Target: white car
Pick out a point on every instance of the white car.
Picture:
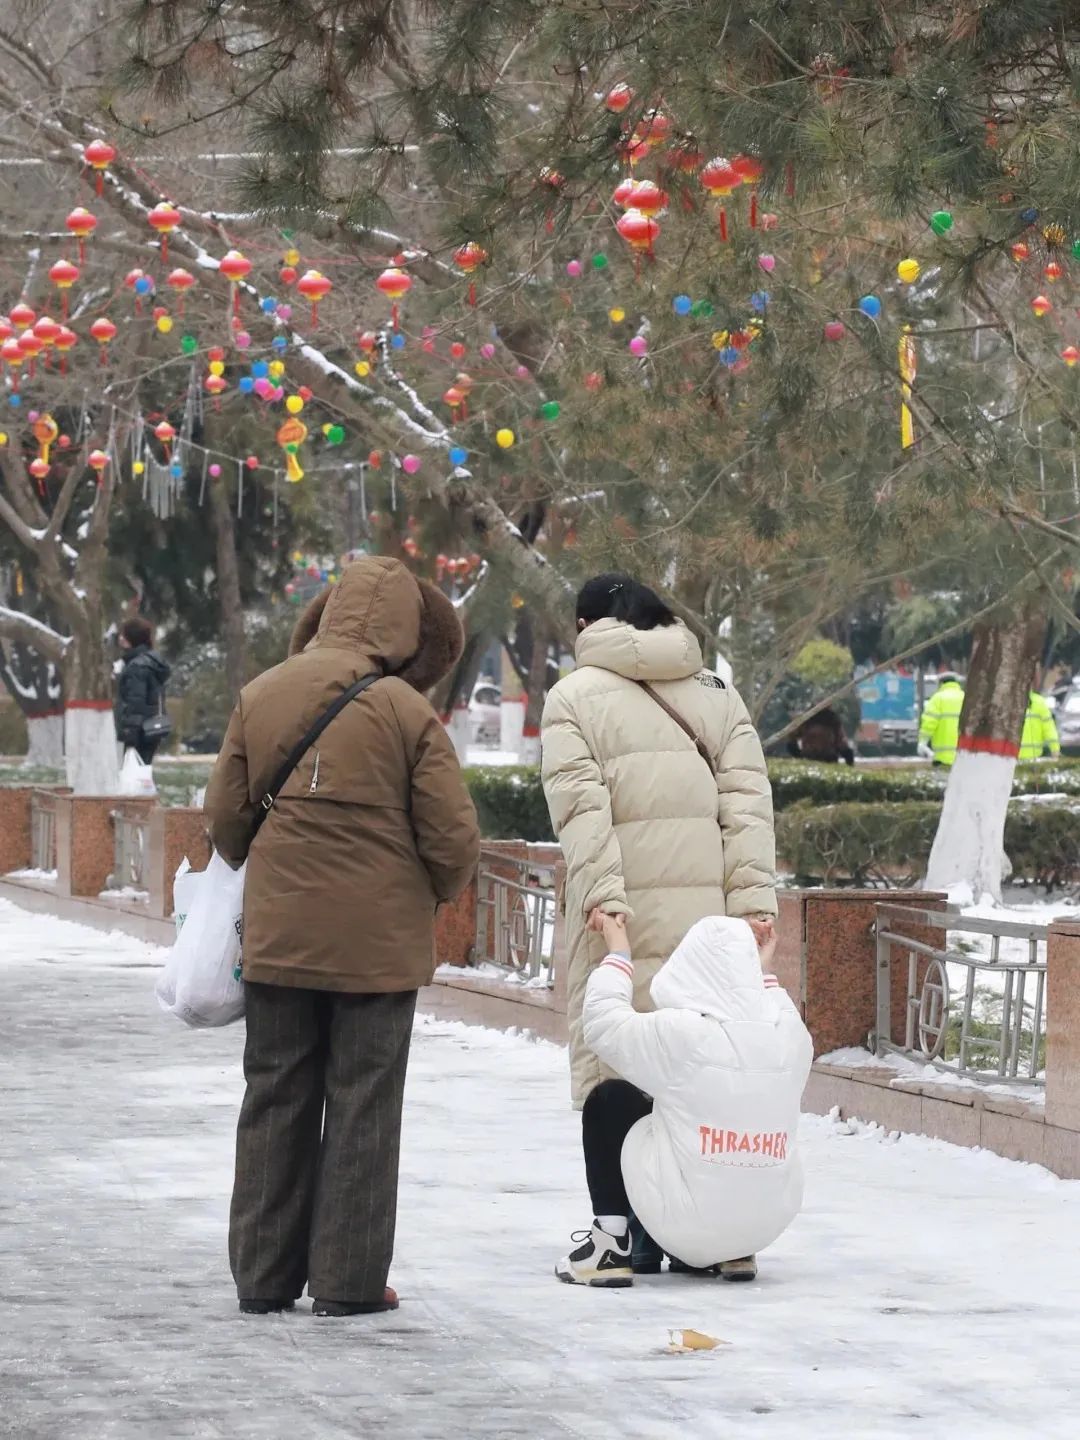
(485, 715)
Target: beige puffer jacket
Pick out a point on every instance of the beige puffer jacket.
(643, 827)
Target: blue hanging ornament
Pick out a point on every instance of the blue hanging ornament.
(398, 340)
(260, 369)
(176, 470)
(759, 301)
(143, 285)
(247, 384)
(682, 304)
(279, 342)
(458, 456)
(870, 305)
(267, 305)
(729, 355)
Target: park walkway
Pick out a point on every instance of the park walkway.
(925, 1292)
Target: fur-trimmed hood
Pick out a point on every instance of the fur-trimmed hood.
(379, 609)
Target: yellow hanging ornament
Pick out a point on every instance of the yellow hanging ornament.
(294, 404)
(907, 363)
(290, 436)
(45, 432)
(277, 369)
(908, 271)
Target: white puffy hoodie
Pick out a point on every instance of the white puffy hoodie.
(712, 1173)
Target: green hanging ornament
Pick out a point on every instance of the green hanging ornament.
(335, 435)
(189, 344)
(1076, 249)
(701, 308)
(941, 222)
(550, 410)
(599, 261)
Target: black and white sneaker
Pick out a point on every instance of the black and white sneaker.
(601, 1259)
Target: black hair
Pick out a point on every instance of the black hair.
(620, 597)
(137, 631)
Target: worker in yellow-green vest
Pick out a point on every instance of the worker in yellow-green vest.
(1040, 731)
(940, 727)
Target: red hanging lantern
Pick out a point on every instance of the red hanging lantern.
(720, 179)
(81, 224)
(166, 434)
(750, 171)
(653, 129)
(6, 328)
(63, 275)
(686, 157)
(21, 315)
(1054, 271)
(1070, 355)
(314, 286)
(395, 284)
(64, 342)
(235, 267)
(13, 357)
(99, 154)
(368, 341)
(181, 281)
(646, 196)
(1020, 252)
(31, 348)
(215, 385)
(104, 332)
(164, 218)
(97, 460)
(47, 330)
(39, 469)
(623, 191)
(640, 232)
(618, 98)
(468, 258)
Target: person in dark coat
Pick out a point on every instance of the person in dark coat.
(141, 688)
(822, 738)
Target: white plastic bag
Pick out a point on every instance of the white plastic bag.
(201, 982)
(135, 777)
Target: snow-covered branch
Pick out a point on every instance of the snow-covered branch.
(14, 625)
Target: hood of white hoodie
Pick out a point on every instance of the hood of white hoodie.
(715, 970)
(669, 652)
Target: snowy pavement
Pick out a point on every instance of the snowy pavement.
(926, 1291)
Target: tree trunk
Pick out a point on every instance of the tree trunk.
(968, 858)
(33, 682)
(228, 578)
(91, 754)
(45, 733)
(536, 688)
(742, 640)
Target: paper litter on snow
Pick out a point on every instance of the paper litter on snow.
(682, 1342)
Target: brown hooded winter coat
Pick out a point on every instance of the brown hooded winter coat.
(375, 826)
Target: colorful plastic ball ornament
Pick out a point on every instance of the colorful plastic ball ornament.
(1076, 249)
(252, 462)
(276, 369)
(279, 394)
(767, 263)
(243, 339)
(682, 305)
(639, 345)
(410, 464)
(14, 399)
(398, 340)
(294, 404)
(870, 305)
(267, 305)
(458, 456)
(176, 470)
(487, 350)
(263, 388)
(594, 380)
(3, 437)
(335, 435)
(941, 222)
(247, 384)
(279, 343)
(164, 324)
(504, 438)
(523, 372)
(909, 271)
(1030, 215)
(362, 368)
(33, 417)
(616, 314)
(550, 410)
(702, 308)
(260, 369)
(284, 313)
(457, 350)
(834, 330)
(287, 274)
(217, 367)
(215, 472)
(759, 302)
(574, 268)
(143, 285)
(189, 344)
(599, 261)
(719, 339)
(729, 355)
(137, 467)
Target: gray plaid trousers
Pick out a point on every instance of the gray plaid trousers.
(315, 1199)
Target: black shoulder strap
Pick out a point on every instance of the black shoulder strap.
(300, 749)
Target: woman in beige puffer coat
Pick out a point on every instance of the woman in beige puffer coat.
(645, 828)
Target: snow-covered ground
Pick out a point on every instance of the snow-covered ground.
(925, 1291)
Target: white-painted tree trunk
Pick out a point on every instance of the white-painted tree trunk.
(90, 750)
(530, 746)
(512, 725)
(46, 741)
(968, 860)
(457, 727)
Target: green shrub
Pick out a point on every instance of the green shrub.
(889, 844)
(510, 802)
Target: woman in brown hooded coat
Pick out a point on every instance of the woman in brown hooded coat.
(373, 829)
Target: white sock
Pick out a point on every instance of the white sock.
(614, 1225)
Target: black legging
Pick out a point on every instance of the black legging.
(609, 1114)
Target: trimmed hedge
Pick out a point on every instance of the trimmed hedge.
(889, 844)
(511, 804)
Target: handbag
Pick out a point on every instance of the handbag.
(699, 744)
(303, 745)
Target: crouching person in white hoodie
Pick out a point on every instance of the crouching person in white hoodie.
(706, 1115)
